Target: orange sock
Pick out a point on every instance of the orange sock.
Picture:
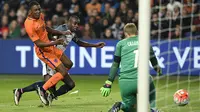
(53, 81)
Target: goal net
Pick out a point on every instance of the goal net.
(175, 34)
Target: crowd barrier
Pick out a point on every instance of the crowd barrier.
(175, 57)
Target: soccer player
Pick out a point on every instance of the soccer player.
(72, 25)
(126, 56)
(46, 50)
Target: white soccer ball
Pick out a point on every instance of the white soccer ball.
(181, 97)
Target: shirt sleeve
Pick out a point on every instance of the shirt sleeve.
(151, 52)
(61, 28)
(153, 58)
(31, 31)
(118, 50)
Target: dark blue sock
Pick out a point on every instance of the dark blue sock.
(32, 87)
(62, 90)
(52, 90)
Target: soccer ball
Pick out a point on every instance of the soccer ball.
(181, 97)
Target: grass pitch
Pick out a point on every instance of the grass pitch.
(89, 99)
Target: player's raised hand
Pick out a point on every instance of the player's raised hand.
(100, 44)
(59, 41)
(68, 32)
(106, 89)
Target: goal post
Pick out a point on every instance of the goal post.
(175, 34)
(143, 67)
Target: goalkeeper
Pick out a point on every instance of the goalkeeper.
(126, 55)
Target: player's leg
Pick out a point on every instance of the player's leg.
(152, 96)
(61, 91)
(53, 60)
(128, 90)
(47, 73)
(66, 61)
(47, 77)
(19, 91)
(51, 82)
(68, 82)
(66, 87)
(61, 73)
(63, 58)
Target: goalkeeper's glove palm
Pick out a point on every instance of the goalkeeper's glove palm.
(106, 89)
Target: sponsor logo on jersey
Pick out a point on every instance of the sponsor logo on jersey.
(55, 60)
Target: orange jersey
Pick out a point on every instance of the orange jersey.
(36, 30)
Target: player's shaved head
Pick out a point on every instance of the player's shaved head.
(130, 29)
(73, 23)
(74, 17)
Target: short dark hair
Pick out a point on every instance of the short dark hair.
(74, 17)
(32, 3)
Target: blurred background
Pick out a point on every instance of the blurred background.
(175, 34)
(175, 28)
(104, 19)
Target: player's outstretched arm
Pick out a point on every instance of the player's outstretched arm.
(35, 38)
(41, 44)
(51, 37)
(57, 32)
(86, 44)
(106, 89)
(154, 63)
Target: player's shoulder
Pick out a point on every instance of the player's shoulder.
(125, 40)
(134, 38)
(62, 27)
(28, 22)
(120, 42)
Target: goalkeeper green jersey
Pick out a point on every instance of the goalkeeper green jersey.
(127, 49)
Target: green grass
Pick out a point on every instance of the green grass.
(89, 99)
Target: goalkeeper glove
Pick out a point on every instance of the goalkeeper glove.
(106, 89)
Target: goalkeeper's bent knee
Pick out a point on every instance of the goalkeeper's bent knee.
(129, 107)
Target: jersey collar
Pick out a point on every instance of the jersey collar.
(31, 18)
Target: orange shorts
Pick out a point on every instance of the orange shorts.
(52, 59)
